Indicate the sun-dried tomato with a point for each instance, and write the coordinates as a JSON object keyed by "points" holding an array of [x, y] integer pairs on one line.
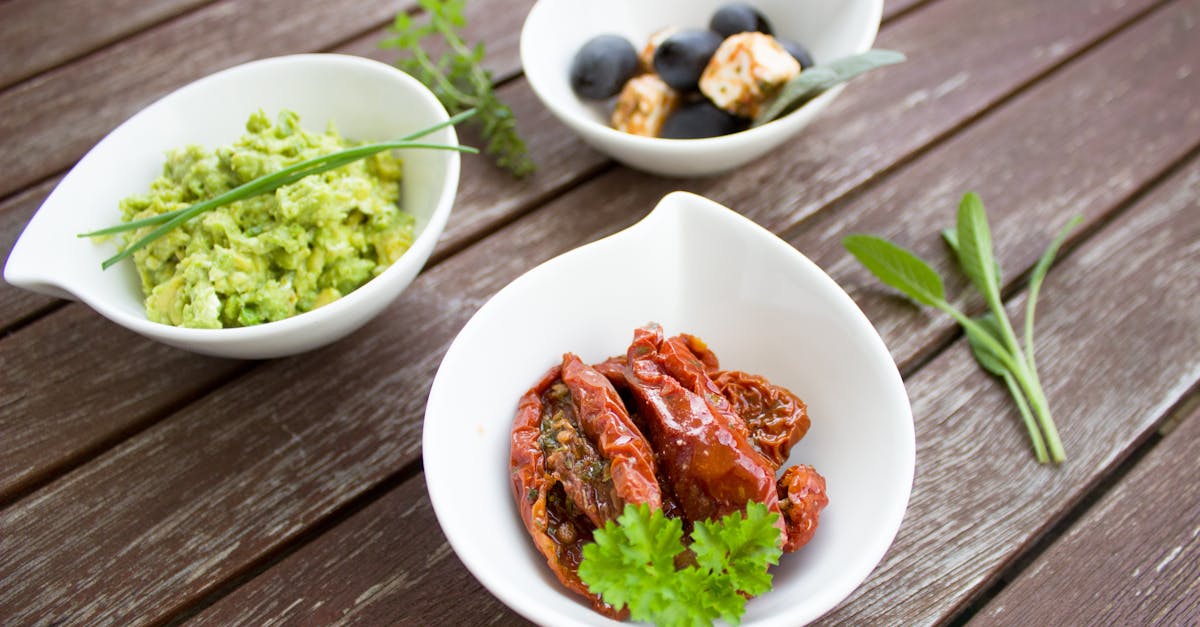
{"points": [[661, 425], [801, 499], [607, 424], [776, 418], [709, 464], [558, 532]]}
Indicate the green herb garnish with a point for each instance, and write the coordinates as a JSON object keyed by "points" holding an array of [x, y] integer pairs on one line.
{"points": [[459, 80], [632, 563], [992, 339], [270, 182], [814, 81]]}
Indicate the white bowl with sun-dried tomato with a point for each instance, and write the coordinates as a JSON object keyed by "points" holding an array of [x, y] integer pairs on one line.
{"points": [[556, 29], [763, 307]]}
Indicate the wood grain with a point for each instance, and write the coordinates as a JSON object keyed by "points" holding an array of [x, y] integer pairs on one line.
{"points": [[486, 197], [40, 34], [1132, 559], [397, 581], [979, 500], [841, 150], [891, 8], [282, 448], [87, 98], [63, 399], [496, 23], [962, 417], [285, 470]]}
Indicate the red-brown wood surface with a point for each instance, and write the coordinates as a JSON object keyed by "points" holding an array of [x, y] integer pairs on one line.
{"points": [[294, 578], [144, 484], [1135, 556], [40, 34]]}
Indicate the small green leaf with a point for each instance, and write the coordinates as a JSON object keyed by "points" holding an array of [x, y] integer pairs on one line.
{"points": [[987, 358], [975, 254], [631, 564], [898, 268], [810, 83], [950, 236], [1038, 276]]}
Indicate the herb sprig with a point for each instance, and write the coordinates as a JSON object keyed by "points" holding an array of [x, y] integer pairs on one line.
{"points": [[633, 564], [991, 336], [816, 80], [458, 78], [267, 183]]}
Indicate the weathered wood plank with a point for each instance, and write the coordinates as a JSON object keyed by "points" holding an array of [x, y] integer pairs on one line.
{"points": [[421, 570], [955, 376], [978, 499], [281, 447], [63, 112], [503, 53], [893, 7], [486, 195], [1050, 154], [842, 150], [292, 455], [63, 398], [497, 23], [968, 513], [1133, 559], [40, 34]]}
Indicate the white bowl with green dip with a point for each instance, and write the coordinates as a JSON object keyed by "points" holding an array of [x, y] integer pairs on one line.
{"points": [[275, 275]]}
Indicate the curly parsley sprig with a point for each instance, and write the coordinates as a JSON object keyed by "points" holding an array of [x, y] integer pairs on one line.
{"points": [[459, 80], [632, 564]]}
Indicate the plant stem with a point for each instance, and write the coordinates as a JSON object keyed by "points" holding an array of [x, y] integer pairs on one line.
{"points": [[262, 185], [1035, 433], [168, 215], [1019, 369]]}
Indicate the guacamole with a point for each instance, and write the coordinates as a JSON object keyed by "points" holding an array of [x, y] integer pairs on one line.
{"points": [[274, 255]]}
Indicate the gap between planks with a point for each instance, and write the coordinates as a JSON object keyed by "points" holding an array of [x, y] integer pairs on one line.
{"points": [[410, 472], [1092, 494]]}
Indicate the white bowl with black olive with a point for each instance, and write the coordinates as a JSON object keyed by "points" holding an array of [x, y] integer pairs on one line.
{"points": [[663, 86]]}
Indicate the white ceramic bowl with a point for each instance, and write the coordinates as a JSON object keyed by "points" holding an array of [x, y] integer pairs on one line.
{"points": [[367, 100], [695, 266], [555, 29]]}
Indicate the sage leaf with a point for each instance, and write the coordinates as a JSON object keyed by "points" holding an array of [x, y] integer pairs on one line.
{"points": [[975, 254], [814, 81], [987, 358], [898, 268], [950, 236]]}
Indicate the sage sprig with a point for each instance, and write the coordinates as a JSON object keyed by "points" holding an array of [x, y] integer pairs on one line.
{"points": [[991, 336], [267, 183], [815, 80]]}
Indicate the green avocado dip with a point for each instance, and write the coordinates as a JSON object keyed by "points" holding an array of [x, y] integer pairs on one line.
{"points": [[274, 255]]}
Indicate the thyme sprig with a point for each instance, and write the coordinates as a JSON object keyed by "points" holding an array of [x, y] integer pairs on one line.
{"points": [[458, 78]]}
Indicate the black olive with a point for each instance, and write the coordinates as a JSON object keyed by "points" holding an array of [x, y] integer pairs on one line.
{"points": [[602, 66], [798, 52], [738, 17], [680, 58], [701, 119]]}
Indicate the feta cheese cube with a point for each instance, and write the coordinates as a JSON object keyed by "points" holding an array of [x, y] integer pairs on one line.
{"points": [[643, 105], [747, 70]]}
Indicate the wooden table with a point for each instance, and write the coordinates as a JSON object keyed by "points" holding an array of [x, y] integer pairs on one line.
{"points": [[143, 484]]}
